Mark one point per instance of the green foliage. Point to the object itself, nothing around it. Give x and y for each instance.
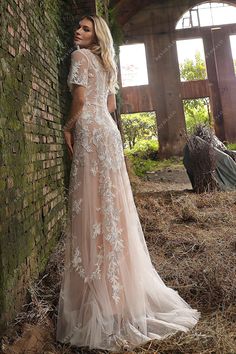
(101, 6)
(144, 149)
(141, 142)
(193, 69)
(116, 30)
(231, 146)
(141, 166)
(144, 157)
(197, 111)
(138, 126)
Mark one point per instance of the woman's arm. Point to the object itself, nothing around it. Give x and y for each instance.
(78, 99)
(111, 103)
(78, 94)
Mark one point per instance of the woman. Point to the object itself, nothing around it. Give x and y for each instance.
(111, 296)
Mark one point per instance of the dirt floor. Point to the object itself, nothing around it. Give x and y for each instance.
(167, 179)
(192, 243)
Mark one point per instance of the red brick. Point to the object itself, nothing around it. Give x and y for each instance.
(11, 30)
(11, 50)
(9, 9)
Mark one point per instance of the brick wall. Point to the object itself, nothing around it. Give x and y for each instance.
(35, 49)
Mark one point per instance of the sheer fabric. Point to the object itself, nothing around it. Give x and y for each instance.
(111, 296)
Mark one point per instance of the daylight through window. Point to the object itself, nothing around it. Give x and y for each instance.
(133, 65)
(208, 14)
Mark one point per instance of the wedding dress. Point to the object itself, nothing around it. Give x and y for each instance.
(111, 295)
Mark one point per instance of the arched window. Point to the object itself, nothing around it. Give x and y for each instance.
(208, 14)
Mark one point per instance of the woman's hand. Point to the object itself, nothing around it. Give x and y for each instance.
(69, 139)
(78, 100)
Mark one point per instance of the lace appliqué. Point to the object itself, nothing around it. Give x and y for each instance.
(105, 146)
(75, 182)
(112, 234)
(94, 168)
(96, 230)
(100, 150)
(84, 137)
(76, 207)
(78, 72)
(77, 76)
(77, 265)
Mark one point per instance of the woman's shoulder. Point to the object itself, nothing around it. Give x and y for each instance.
(80, 53)
(85, 54)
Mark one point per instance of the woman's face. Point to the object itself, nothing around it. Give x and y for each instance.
(84, 35)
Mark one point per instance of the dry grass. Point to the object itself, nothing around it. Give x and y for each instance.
(192, 242)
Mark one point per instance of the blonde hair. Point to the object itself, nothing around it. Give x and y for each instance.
(105, 49)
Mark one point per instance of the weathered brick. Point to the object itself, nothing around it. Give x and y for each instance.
(11, 50)
(32, 166)
(9, 9)
(10, 30)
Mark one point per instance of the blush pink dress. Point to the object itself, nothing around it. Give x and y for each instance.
(111, 295)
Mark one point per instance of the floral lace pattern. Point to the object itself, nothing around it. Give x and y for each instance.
(78, 71)
(111, 296)
(77, 265)
(99, 145)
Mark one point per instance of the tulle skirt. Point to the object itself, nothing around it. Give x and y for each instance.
(111, 296)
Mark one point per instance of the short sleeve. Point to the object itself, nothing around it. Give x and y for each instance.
(78, 70)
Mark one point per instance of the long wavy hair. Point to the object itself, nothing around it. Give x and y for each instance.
(104, 48)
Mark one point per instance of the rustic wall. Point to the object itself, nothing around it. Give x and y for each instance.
(35, 49)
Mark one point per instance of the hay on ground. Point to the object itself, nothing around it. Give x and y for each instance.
(192, 242)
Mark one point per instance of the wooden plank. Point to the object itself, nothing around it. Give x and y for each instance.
(195, 89)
